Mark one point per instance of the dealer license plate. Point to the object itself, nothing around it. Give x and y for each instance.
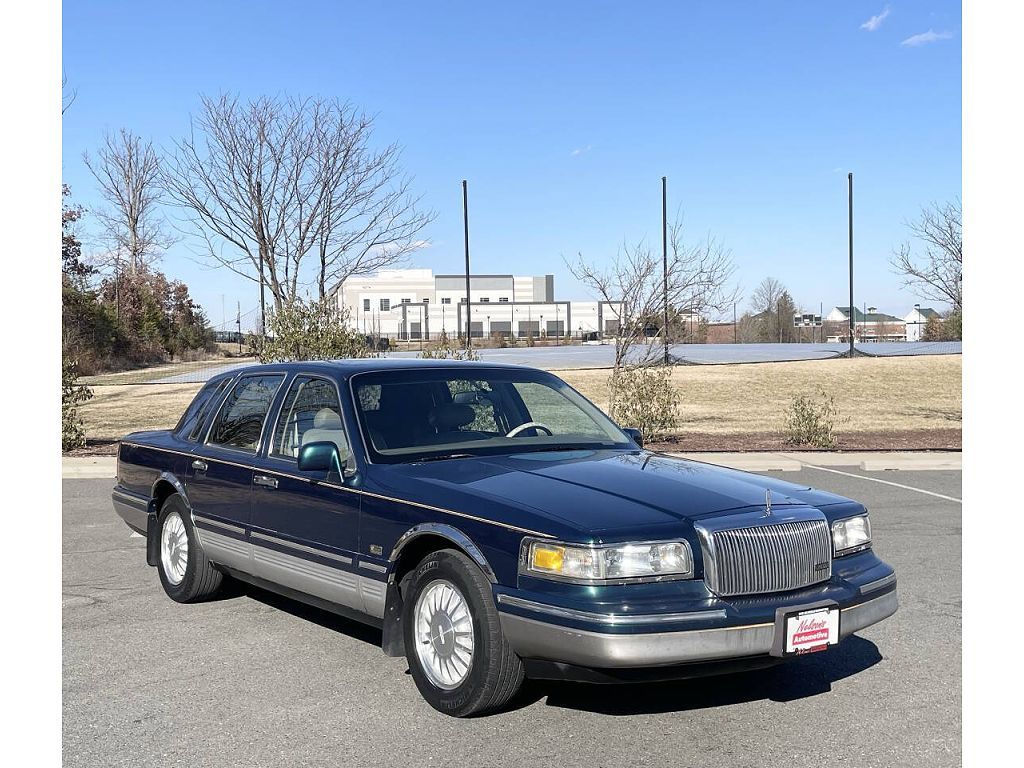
(812, 630)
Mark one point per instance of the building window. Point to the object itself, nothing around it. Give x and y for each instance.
(385, 305)
(426, 301)
(485, 300)
(406, 301)
(462, 300)
(366, 305)
(446, 299)
(503, 300)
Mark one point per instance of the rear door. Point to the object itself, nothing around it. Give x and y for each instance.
(305, 525)
(220, 486)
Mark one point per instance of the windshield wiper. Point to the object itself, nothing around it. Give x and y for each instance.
(442, 457)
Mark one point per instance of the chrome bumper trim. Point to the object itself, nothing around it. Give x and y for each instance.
(540, 640)
(874, 586)
(611, 619)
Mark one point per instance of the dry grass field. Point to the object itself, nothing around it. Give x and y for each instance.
(877, 396)
(874, 393)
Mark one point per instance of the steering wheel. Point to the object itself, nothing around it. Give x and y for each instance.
(529, 425)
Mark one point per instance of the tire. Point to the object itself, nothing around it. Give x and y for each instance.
(493, 674)
(185, 573)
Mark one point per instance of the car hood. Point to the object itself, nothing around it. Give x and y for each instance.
(597, 493)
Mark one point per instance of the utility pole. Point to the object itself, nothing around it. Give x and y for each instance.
(465, 222)
(664, 259)
(735, 333)
(238, 322)
(850, 181)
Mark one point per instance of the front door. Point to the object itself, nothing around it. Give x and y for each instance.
(221, 473)
(305, 525)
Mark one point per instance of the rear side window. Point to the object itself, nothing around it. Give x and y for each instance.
(190, 426)
(241, 418)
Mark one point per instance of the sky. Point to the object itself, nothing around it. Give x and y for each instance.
(564, 116)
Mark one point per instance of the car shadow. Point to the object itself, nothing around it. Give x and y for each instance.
(332, 621)
(798, 678)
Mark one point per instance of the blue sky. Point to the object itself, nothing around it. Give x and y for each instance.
(564, 116)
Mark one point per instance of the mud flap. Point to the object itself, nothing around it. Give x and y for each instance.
(152, 539)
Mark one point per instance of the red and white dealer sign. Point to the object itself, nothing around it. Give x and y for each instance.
(813, 630)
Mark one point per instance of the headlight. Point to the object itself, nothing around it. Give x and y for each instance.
(597, 564)
(851, 535)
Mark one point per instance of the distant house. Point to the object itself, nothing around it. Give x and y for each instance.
(872, 326)
(917, 319)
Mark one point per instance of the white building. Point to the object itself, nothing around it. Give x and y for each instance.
(416, 304)
(917, 319)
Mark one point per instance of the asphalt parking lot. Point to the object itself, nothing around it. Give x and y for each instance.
(258, 680)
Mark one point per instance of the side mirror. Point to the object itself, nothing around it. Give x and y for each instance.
(319, 457)
(635, 435)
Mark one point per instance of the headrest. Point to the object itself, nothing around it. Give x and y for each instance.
(451, 416)
(327, 418)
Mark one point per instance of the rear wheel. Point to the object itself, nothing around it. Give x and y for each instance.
(458, 656)
(185, 573)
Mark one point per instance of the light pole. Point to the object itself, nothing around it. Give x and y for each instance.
(866, 311)
(540, 331)
(558, 328)
(488, 326)
(849, 178)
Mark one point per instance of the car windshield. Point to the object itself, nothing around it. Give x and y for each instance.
(414, 415)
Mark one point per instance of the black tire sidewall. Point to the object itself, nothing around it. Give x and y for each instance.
(186, 589)
(459, 570)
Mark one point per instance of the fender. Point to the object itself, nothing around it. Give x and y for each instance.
(393, 641)
(152, 528)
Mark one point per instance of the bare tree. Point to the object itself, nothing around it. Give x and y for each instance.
(935, 273)
(127, 170)
(773, 308)
(268, 183)
(698, 282)
(67, 97)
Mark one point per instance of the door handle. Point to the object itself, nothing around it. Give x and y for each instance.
(199, 465)
(266, 482)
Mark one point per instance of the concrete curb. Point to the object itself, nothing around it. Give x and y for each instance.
(98, 467)
(88, 467)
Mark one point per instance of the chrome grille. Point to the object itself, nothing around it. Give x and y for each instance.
(769, 558)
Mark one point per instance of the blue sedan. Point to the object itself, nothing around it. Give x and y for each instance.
(495, 525)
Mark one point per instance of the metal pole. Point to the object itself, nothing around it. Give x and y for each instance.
(465, 220)
(664, 259)
(238, 320)
(734, 326)
(850, 181)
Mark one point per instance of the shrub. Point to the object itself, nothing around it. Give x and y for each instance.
(72, 395)
(811, 420)
(446, 349)
(644, 397)
(313, 330)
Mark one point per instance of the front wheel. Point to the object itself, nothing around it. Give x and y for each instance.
(185, 573)
(458, 656)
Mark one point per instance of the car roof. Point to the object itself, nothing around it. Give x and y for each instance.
(351, 366)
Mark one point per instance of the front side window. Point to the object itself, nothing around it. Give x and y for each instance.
(311, 413)
(240, 422)
(412, 415)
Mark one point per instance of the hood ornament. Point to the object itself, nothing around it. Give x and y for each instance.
(768, 502)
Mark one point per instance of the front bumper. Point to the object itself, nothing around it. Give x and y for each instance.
(537, 639)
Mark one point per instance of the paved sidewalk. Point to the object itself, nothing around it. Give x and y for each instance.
(89, 467)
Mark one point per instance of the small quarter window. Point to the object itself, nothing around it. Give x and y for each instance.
(190, 426)
(240, 422)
